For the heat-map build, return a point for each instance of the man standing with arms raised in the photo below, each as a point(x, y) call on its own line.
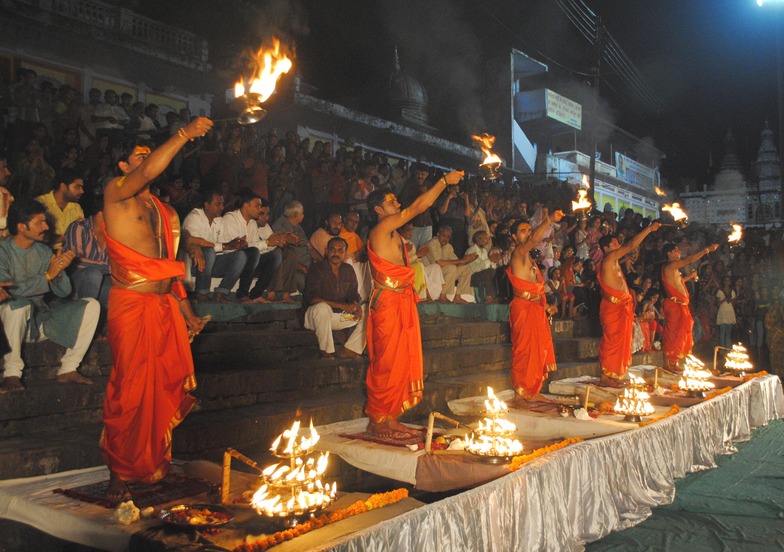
point(533, 355)
point(395, 374)
point(677, 338)
point(616, 311)
point(150, 320)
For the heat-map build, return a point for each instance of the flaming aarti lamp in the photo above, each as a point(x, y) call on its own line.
point(737, 361)
point(583, 205)
point(493, 440)
point(634, 402)
point(679, 216)
point(694, 378)
point(270, 63)
point(734, 239)
point(491, 165)
point(292, 489)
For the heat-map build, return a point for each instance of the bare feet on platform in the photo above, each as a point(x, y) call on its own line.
point(392, 429)
point(220, 298)
point(459, 300)
point(12, 383)
point(326, 355)
point(287, 298)
point(117, 489)
point(525, 404)
point(260, 300)
point(200, 297)
point(442, 299)
point(611, 382)
point(348, 353)
point(74, 377)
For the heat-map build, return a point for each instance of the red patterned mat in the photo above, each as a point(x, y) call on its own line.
point(391, 441)
point(170, 488)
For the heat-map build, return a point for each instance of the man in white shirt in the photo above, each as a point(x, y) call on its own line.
point(110, 118)
point(241, 224)
point(483, 268)
point(440, 252)
point(271, 259)
point(213, 255)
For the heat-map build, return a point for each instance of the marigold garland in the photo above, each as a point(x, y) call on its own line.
point(674, 409)
point(518, 461)
point(750, 377)
point(360, 506)
point(717, 392)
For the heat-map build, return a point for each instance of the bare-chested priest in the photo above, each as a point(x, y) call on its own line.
point(533, 355)
point(395, 374)
point(616, 311)
point(150, 320)
point(677, 338)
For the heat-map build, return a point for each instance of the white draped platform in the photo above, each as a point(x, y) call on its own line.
point(557, 502)
point(583, 492)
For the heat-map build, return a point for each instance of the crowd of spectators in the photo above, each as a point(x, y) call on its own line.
point(313, 191)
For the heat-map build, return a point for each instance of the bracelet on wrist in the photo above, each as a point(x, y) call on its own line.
point(48, 276)
point(182, 134)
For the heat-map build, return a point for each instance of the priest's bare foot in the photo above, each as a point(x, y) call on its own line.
point(117, 489)
point(611, 382)
point(12, 383)
point(392, 429)
point(74, 377)
point(525, 403)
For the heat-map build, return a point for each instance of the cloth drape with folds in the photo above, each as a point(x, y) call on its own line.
point(677, 337)
point(148, 391)
point(394, 378)
point(616, 313)
point(533, 355)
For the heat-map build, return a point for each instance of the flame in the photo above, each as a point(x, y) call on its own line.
point(271, 63)
point(635, 400)
point(694, 376)
point(737, 233)
point(738, 359)
point(659, 191)
point(582, 201)
point(486, 142)
point(675, 210)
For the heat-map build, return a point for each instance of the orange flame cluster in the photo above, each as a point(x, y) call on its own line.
point(659, 191)
point(486, 142)
point(675, 210)
point(737, 233)
point(582, 203)
point(271, 63)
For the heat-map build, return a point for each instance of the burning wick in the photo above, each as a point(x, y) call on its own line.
point(492, 162)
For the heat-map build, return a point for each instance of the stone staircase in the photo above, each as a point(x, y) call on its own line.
point(254, 378)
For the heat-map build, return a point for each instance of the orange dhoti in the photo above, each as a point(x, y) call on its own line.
point(533, 355)
point(147, 394)
point(394, 378)
point(616, 314)
point(677, 336)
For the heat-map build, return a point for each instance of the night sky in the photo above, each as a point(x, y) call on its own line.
point(710, 65)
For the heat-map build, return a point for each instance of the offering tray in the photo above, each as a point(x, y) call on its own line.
point(196, 516)
point(726, 380)
point(492, 458)
point(681, 399)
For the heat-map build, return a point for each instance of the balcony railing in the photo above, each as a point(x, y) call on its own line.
point(148, 35)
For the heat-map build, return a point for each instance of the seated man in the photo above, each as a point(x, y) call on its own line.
point(440, 252)
point(484, 267)
point(62, 203)
point(242, 225)
point(212, 253)
point(320, 238)
point(428, 280)
point(357, 254)
point(270, 246)
point(332, 302)
point(89, 273)
point(297, 244)
point(35, 271)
